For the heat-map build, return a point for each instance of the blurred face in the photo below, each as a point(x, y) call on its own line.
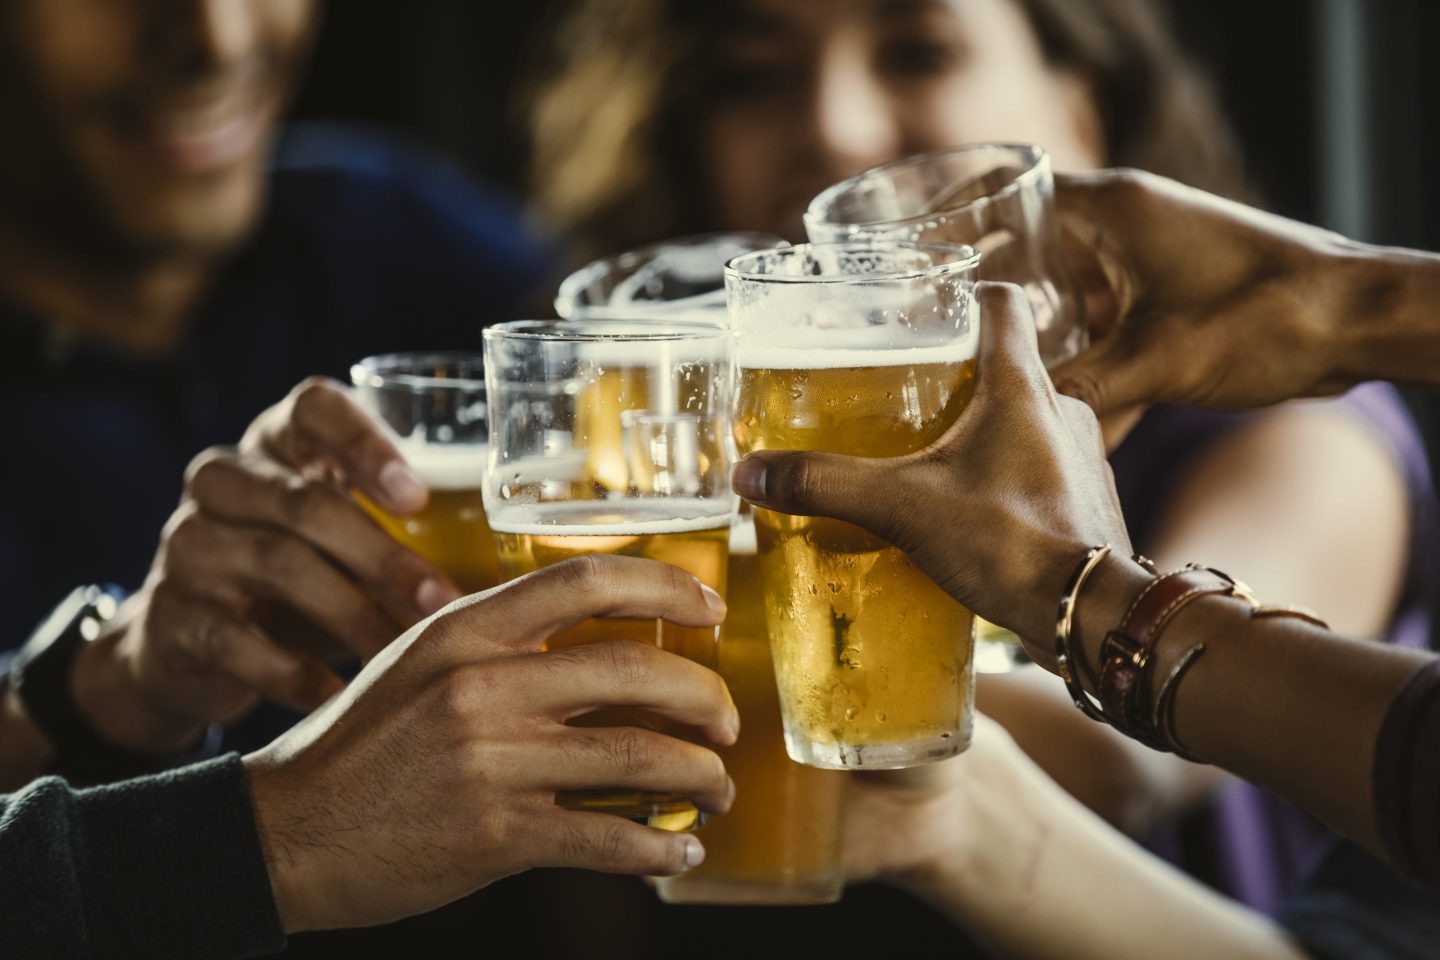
point(813, 91)
point(138, 128)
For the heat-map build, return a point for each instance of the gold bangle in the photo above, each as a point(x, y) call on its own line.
point(1065, 621)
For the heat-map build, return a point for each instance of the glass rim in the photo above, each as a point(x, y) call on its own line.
point(568, 296)
point(607, 330)
point(960, 257)
point(825, 198)
point(372, 371)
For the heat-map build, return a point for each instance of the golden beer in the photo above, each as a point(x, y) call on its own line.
point(872, 659)
point(550, 533)
point(451, 531)
point(780, 842)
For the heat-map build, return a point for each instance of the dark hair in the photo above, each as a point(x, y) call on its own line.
point(612, 118)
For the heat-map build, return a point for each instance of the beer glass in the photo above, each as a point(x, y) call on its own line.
point(866, 349)
point(613, 437)
point(434, 404)
point(780, 844)
point(670, 279)
point(999, 199)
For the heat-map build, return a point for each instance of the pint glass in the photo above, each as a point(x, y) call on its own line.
point(612, 437)
point(865, 349)
point(434, 404)
point(670, 280)
point(780, 844)
point(997, 198)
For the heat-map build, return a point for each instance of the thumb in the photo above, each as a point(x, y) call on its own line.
point(858, 490)
point(1108, 379)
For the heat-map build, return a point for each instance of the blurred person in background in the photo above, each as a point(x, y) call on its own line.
point(172, 260)
point(662, 118)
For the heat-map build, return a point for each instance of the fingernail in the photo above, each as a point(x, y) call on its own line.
point(433, 594)
point(749, 479)
point(730, 793)
point(713, 600)
point(694, 853)
point(401, 486)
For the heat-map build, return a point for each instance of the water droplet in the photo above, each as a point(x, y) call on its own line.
point(851, 713)
point(880, 715)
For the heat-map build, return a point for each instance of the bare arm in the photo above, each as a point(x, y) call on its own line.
point(994, 844)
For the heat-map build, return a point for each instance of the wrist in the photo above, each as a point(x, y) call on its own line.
point(282, 859)
point(1383, 326)
point(115, 704)
point(1107, 595)
point(24, 751)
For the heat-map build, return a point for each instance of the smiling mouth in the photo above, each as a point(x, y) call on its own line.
point(197, 135)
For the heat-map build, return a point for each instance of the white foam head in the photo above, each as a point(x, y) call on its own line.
point(447, 466)
point(611, 518)
point(843, 352)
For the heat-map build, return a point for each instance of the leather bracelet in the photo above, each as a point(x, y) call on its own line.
point(1126, 652)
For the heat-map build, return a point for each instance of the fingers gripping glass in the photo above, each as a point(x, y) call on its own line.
point(612, 437)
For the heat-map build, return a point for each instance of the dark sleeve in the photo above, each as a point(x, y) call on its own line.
point(1407, 777)
point(160, 867)
point(1353, 907)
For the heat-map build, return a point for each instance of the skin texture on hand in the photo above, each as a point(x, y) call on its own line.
point(435, 771)
point(1021, 478)
point(266, 573)
point(1200, 301)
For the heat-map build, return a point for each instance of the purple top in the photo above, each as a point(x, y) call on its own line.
point(1246, 842)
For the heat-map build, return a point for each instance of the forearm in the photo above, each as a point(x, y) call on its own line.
point(1387, 327)
point(160, 866)
point(1290, 706)
point(1053, 881)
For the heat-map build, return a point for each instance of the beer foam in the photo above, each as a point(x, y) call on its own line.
point(606, 518)
point(823, 356)
point(447, 466)
point(742, 536)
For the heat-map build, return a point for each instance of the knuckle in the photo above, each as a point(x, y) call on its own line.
point(796, 482)
point(311, 397)
point(583, 575)
point(207, 473)
point(615, 845)
point(280, 558)
point(303, 502)
point(632, 753)
point(187, 533)
point(630, 664)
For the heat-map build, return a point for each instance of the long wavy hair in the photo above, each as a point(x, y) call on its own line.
point(613, 110)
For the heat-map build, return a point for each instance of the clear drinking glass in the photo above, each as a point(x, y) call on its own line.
point(781, 841)
point(612, 437)
point(434, 404)
point(670, 279)
point(866, 349)
point(998, 198)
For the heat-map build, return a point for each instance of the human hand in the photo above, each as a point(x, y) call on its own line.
point(999, 510)
point(435, 772)
point(1200, 301)
point(266, 571)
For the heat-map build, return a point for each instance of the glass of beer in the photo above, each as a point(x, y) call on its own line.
point(670, 279)
point(866, 349)
point(780, 844)
point(434, 404)
point(997, 198)
point(614, 437)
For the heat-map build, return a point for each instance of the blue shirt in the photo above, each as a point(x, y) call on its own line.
point(366, 245)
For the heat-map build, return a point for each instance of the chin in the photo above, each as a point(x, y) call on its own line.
point(195, 220)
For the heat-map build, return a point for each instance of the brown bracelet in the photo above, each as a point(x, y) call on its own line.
point(1127, 651)
point(1066, 663)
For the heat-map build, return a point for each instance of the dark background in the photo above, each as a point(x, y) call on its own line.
point(1337, 102)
